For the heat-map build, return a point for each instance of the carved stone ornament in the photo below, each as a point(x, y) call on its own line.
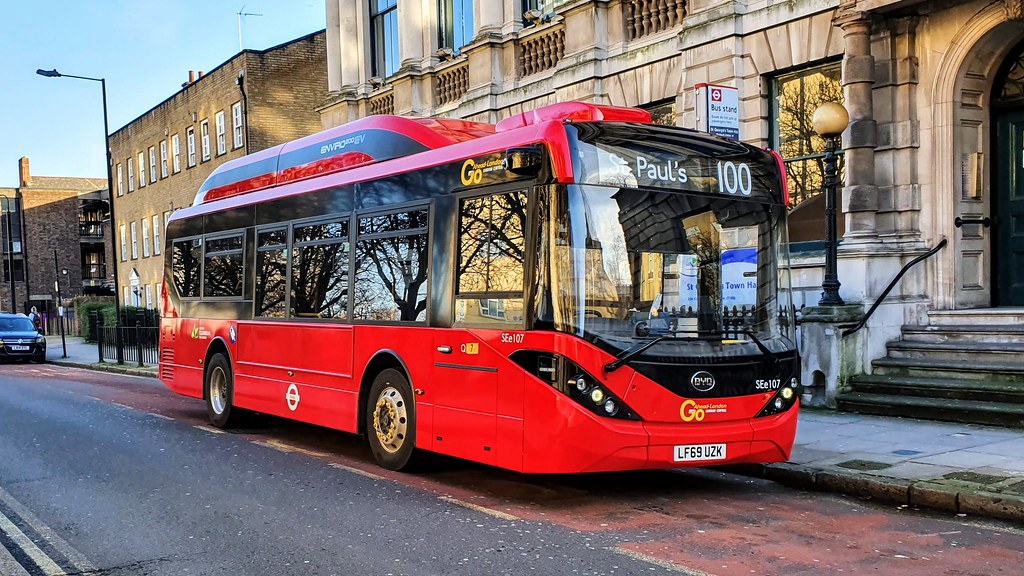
point(1014, 9)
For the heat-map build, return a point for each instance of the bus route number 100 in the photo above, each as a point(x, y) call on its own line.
point(734, 178)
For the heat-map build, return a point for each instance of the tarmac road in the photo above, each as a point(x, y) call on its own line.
point(110, 474)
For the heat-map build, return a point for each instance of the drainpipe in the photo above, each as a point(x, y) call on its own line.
point(240, 81)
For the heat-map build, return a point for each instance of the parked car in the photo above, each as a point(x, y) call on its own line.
point(19, 339)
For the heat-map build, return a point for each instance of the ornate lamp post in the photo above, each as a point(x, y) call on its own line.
point(829, 121)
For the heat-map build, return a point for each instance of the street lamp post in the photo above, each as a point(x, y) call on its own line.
point(829, 121)
point(110, 195)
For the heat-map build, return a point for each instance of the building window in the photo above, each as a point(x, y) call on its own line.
point(190, 138)
point(175, 154)
point(795, 97)
point(149, 296)
point(145, 237)
point(124, 245)
point(135, 241)
point(142, 169)
point(126, 299)
point(662, 112)
point(204, 135)
point(156, 234)
point(545, 7)
point(384, 37)
point(131, 175)
point(152, 164)
point(222, 143)
point(456, 21)
point(163, 158)
point(236, 123)
point(120, 180)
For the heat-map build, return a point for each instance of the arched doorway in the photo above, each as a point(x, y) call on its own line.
point(1008, 182)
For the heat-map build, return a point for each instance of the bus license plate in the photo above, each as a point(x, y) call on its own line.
point(17, 348)
point(691, 452)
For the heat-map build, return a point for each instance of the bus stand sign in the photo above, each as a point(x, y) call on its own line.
point(718, 110)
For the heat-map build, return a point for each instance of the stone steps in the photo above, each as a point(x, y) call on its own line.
point(978, 412)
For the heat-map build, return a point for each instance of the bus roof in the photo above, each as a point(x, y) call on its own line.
point(378, 138)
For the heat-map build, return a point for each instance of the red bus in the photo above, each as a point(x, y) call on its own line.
point(572, 289)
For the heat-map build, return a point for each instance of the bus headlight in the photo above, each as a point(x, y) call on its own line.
point(597, 395)
point(786, 393)
point(609, 407)
point(581, 384)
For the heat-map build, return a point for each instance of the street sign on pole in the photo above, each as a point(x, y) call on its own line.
point(718, 110)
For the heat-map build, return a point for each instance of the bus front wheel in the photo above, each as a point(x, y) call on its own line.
point(391, 420)
point(220, 392)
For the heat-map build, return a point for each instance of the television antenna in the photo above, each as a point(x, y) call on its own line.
point(242, 12)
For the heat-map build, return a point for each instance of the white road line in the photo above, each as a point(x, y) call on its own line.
point(160, 416)
point(370, 475)
point(77, 560)
point(208, 429)
point(9, 566)
point(478, 508)
point(659, 562)
point(48, 566)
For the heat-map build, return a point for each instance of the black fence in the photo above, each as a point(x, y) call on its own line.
point(138, 344)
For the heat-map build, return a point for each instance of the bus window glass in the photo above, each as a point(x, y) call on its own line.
point(271, 273)
point(222, 268)
point(391, 267)
point(492, 248)
point(320, 270)
point(185, 266)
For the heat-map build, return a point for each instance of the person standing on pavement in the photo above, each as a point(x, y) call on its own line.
point(36, 319)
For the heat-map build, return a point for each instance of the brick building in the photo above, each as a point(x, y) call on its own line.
point(45, 214)
point(256, 99)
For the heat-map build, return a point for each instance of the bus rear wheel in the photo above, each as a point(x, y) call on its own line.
point(220, 392)
point(391, 420)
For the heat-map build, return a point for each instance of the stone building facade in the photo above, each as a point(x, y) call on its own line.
point(44, 216)
point(935, 92)
point(255, 100)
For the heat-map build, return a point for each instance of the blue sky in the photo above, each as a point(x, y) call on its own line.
point(144, 49)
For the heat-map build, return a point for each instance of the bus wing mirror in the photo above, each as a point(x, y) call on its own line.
point(524, 161)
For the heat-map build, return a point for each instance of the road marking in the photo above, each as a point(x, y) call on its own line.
point(45, 563)
point(355, 471)
point(9, 566)
point(659, 562)
point(208, 429)
point(160, 416)
point(478, 508)
point(77, 561)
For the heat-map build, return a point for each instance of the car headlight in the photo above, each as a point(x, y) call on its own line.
point(40, 339)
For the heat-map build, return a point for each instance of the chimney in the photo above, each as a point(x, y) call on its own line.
point(200, 74)
point(23, 174)
point(191, 76)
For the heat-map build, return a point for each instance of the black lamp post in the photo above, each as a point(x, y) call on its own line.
point(829, 121)
point(110, 192)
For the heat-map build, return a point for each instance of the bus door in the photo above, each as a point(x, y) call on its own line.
point(465, 392)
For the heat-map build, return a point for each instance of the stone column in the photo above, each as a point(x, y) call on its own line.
point(490, 16)
point(860, 195)
point(411, 30)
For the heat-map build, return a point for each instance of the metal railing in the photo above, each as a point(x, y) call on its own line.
point(891, 285)
point(138, 344)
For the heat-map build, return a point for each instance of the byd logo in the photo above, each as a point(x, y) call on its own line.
point(702, 381)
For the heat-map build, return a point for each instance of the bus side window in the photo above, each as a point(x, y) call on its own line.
point(491, 253)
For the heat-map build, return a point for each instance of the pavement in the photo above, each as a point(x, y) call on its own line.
point(965, 469)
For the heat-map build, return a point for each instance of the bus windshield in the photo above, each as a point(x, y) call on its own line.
point(707, 272)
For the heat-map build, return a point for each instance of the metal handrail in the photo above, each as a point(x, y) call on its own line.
point(891, 285)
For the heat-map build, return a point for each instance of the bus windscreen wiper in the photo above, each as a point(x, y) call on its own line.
point(629, 353)
point(753, 337)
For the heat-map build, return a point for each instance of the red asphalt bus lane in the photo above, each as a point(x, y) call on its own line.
point(697, 521)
